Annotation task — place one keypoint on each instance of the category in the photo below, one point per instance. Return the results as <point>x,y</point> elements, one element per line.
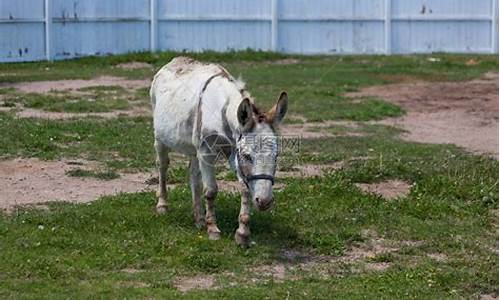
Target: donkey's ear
<point>276,114</point>
<point>245,114</point>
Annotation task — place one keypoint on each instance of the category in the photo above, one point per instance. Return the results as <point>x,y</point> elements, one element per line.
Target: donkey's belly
<point>174,128</point>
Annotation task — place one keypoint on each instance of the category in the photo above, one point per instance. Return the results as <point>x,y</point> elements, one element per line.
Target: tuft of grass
<point>4,91</point>
<point>105,175</point>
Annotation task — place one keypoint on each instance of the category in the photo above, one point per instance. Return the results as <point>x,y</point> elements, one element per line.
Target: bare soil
<point>134,65</point>
<point>391,189</point>
<point>203,282</point>
<point>461,113</point>
<point>310,170</point>
<point>30,181</point>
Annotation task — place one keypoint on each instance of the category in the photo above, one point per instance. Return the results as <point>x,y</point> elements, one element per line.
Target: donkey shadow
<point>266,227</point>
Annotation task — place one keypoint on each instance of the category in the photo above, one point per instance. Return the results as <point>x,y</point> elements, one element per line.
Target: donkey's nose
<point>264,203</point>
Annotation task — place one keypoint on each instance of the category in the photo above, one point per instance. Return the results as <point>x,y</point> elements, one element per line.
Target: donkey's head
<point>257,149</point>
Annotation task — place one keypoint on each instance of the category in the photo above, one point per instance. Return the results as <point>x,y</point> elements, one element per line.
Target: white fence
<point>57,29</point>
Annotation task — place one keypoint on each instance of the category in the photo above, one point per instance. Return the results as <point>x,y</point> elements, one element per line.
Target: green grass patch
<point>122,143</point>
<point>71,244</point>
<point>105,175</point>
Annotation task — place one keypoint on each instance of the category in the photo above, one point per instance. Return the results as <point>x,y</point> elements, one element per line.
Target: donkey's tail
<point>152,96</point>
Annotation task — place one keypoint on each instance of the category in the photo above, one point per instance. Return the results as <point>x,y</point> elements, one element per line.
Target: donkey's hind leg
<point>162,162</point>
<point>196,191</point>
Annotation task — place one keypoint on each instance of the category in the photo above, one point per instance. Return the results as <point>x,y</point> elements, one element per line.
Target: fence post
<point>494,28</point>
<point>48,27</point>
<point>387,27</point>
<point>274,25</point>
<point>153,25</point>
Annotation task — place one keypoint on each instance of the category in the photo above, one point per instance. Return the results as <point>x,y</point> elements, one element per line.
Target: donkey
<point>201,111</point>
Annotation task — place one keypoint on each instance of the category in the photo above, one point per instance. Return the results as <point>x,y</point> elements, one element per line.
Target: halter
<point>252,177</point>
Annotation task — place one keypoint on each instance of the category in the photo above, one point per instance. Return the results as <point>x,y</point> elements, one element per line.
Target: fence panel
<point>76,28</point>
<point>214,25</point>
<point>423,26</point>
<point>22,30</point>
<point>96,27</point>
<point>340,26</point>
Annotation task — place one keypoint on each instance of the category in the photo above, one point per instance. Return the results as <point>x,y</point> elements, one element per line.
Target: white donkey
<point>201,111</point>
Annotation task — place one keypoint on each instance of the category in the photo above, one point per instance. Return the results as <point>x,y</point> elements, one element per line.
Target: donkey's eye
<point>247,157</point>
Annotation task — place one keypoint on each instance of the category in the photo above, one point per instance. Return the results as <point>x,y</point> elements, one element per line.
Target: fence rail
<point>57,29</point>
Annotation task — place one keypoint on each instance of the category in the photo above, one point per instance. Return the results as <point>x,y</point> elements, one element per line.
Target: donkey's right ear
<point>245,114</point>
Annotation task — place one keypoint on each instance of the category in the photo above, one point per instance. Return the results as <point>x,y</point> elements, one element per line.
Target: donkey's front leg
<point>210,190</point>
<point>242,235</point>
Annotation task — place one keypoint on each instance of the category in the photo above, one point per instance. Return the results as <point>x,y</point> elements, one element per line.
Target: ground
<point>392,192</point>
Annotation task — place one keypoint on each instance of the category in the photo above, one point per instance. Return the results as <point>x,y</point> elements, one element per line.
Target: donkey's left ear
<point>276,114</point>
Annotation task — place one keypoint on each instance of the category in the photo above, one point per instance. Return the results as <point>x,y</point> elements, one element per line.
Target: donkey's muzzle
<point>263,204</point>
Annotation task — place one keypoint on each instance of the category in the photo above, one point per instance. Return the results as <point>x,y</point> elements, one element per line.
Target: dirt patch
<point>459,127</point>
<point>276,272</point>
<point>33,181</point>
<point>461,113</point>
<point>284,62</point>
<point>133,284</point>
<point>391,189</point>
<point>373,246</point>
<point>131,271</point>
<point>200,282</point>
<point>488,297</point>
<point>134,65</point>
<point>439,257</point>
<point>75,84</point>
<point>379,267</point>
<point>29,181</point>
<point>310,170</point>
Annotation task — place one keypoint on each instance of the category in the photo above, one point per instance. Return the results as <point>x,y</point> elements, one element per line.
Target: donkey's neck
<point>217,110</point>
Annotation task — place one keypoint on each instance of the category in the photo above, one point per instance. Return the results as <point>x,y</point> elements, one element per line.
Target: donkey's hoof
<point>161,210</point>
<point>242,240</point>
<point>214,236</point>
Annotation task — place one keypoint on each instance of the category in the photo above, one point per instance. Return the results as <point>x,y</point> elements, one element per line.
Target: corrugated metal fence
<point>58,29</point>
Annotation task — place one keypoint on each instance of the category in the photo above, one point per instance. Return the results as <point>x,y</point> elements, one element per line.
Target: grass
<point>93,243</point>
<point>323,79</point>
<point>96,99</point>
<point>82,250</point>
<point>105,175</point>
<point>95,139</point>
